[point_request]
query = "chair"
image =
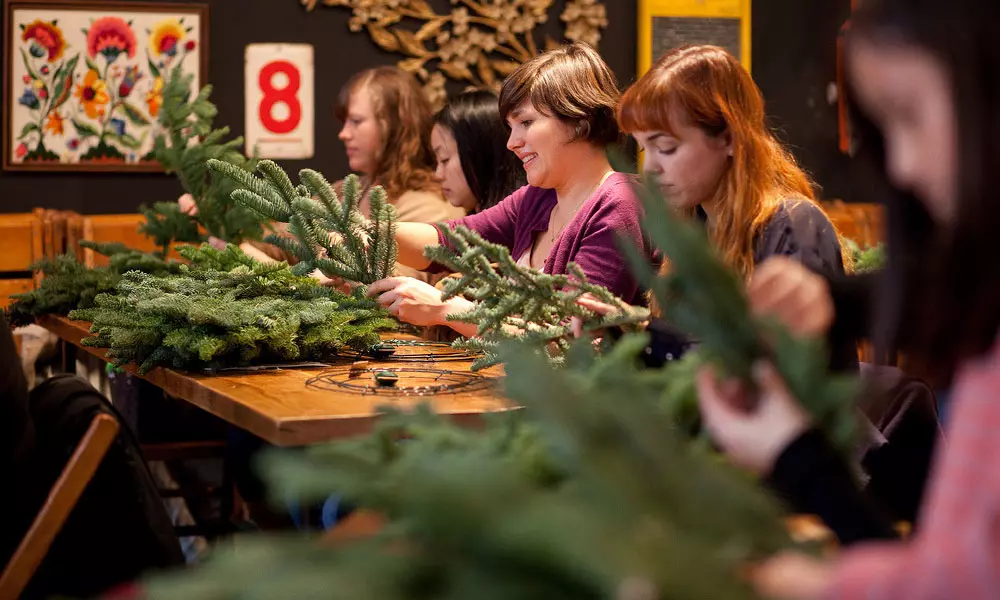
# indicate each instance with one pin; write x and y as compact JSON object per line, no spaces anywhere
{"x":860,"y":222}
{"x":122,"y":228}
{"x":60,"y":503}
{"x":21,"y":245}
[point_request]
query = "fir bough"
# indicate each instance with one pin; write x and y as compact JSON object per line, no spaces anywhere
{"x":583,"y":494}
{"x":67,"y":284}
{"x":329,"y":232}
{"x":228,"y":310}
{"x":704,"y":298}
{"x":866,"y":260}
{"x":185,"y":120}
{"x":519,"y":302}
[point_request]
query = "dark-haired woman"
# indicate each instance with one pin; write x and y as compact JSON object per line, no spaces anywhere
{"x":469,"y":139}
{"x":926,"y":77}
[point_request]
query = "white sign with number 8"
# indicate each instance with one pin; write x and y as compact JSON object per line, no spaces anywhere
{"x":279,"y":100}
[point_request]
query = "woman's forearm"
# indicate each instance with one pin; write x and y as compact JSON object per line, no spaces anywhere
{"x":412,"y":238}
{"x":255,"y":253}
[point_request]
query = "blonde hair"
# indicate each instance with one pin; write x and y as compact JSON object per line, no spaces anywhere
{"x":405,"y":160}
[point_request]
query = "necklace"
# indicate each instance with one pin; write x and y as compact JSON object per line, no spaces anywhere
{"x":554,"y":232}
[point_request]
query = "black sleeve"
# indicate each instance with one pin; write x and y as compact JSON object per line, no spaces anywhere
{"x":800,"y":230}
{"x":16,"y":430}
{"x":812,"y":478}
{"x":17,"y":443}
{"x":853,"y":298}
{"x":666,"y":343}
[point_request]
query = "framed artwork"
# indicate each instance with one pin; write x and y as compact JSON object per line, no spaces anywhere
{"x":83,"y":80}
{"x":667,"y":24}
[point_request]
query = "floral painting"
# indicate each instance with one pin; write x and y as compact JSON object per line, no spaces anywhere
{"x":84,"y":84}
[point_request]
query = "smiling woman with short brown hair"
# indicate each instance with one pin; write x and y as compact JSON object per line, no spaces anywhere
{"x":560,"y":109}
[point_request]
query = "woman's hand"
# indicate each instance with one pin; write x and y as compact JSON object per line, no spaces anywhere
{"x":791,"y":575}
{"x":415,"y":302}
{"x":335,"y":282}
{"x":187,"y":205}
{"x":800,"y":299}
{"x":752,"y":431}
{"x":594,"y":305}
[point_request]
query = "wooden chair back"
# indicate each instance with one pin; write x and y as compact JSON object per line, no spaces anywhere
{"x":21,"y":245}
{"x":60,"y":503}
{"x":122,"y":228}
{"x":862,"y":223}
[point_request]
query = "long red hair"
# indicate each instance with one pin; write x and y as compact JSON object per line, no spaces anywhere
{"x":710,"y":89}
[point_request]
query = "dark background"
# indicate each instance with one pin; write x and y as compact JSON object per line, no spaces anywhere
{"x":794,"y":60}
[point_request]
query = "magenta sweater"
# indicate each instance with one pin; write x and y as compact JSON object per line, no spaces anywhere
{"x":590,"y":239}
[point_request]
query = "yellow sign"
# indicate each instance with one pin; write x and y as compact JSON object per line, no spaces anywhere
{"x":649,"y":10}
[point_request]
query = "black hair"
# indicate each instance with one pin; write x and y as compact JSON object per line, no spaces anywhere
{"x":492,"y":171}
{"x":940,"y":296}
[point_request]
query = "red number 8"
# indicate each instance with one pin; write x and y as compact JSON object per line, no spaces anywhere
{"x":273,"y":96}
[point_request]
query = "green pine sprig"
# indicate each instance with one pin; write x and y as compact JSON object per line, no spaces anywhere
{"x":704,"y":298}
{"x":329,"y":232}
{"x":188,"y":139}
{"x":67,"y":284}
{"x":227,"y":310}
{"x":517,"y":301}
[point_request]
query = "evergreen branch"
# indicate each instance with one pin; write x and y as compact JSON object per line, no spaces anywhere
{"x":704,"y":298}
{"x":227,"y":310}
{"x":603,"y":490}
{"x":331,"y":233}
{"x":179,"y":150}
{"x":67,"y":284}
{"x":516,"y":301}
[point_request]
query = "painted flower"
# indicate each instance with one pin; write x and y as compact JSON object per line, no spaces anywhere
{"x":118,"y":126}
{"x":55,"y":123}
{"x":28,"y":98}
{"x":44,"y":69}
{"x":110,"y":36}
{"x":21,"y":150}
{"x":46,"y":37}
{"x":190,"y":45}
{"x":165,"y":37}
{"x":26,"y":79}
{"x":93,"y":94}
{"x":73,"y":143}
{"x":154,"y":97}
{"x":132,"y":75}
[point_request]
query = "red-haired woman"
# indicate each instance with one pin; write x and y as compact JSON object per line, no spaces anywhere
{"x":699,"y":118}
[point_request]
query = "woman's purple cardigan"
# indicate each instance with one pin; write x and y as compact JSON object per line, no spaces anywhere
{"x":591,"y":239}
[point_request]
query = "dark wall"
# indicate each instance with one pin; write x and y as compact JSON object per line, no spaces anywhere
{"x":793,"y":61}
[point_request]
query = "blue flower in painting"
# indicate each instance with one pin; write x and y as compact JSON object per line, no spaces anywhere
{"x":73,"y":144}
{"x":29,"y":98}
{"x":118,"y":126}
{"x":36,"y":50}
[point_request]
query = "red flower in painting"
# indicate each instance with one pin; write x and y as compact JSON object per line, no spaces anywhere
{"x":46,"y":35}
{"x":21,"y":151}
{"x":189,"y":46}
{"x":110,"y":36}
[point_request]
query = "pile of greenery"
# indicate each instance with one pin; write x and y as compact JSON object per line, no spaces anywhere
{"x":225,"y":310}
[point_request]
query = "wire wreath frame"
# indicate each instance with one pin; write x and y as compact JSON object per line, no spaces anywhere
{"x":440,"y":382}
{"x":435,"y":352}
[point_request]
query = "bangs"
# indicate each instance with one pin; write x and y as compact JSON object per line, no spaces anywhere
{"x":648,"y":107}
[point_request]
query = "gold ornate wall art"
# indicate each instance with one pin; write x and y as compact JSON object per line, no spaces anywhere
{"x":477,"y":42}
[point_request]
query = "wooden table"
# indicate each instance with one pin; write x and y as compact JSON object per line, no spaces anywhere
{"x":281,"y":408}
